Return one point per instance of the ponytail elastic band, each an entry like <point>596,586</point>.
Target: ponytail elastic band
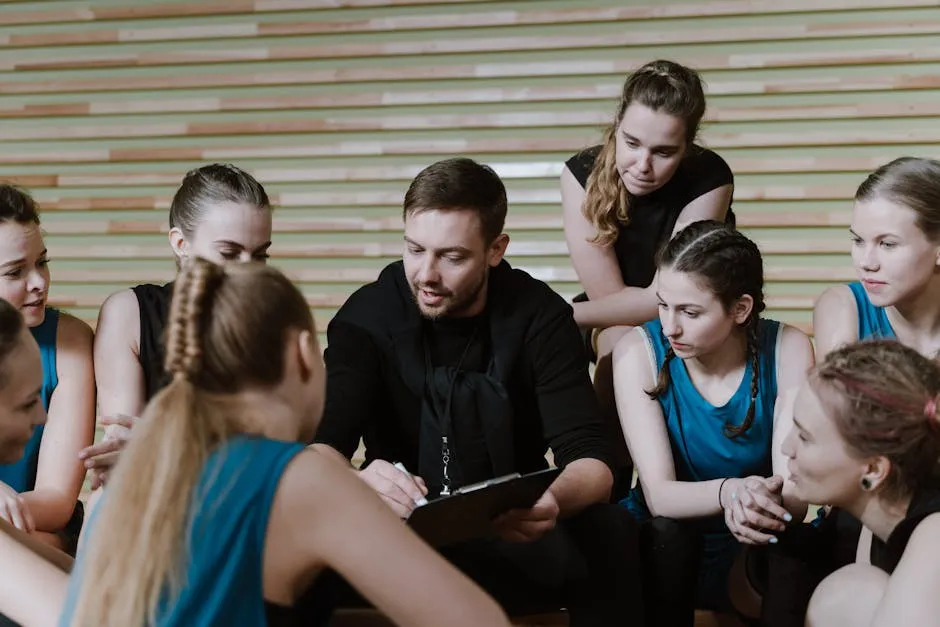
<point>930,413</point>
<point>930,409</point>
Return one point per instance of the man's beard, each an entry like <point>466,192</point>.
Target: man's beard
<point>454,303</point>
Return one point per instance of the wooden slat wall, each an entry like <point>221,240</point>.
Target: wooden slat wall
<point>336,104</point>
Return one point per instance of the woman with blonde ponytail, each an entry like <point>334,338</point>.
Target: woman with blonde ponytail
<point>623,199</point>
<point>217,514</point>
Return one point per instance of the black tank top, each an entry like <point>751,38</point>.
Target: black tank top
<point>886,555</point>
<point>153,301</point>
<point>653,216</point>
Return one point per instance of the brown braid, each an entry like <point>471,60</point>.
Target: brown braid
<point>663,380</point>
<point>190,309</point>
<point>753,350</point>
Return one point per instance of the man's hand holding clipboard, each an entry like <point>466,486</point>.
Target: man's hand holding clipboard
<point>526,525</point>
<point>518,508</point>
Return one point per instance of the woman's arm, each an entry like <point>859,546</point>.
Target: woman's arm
<point>70,427</point>
<point>644,428</point>
<point>636,305</point>
<point>32,582</point>
<point>794,360</point>
<point>595,265</point>
<point>119,376</point>
<point>835,320</point>
<point>334,520</point>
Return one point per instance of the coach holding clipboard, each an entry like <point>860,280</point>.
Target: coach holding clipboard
<point>463,369</point>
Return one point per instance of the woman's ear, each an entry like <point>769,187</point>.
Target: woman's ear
<point>876,473</point>
<point>308,353</point>
<point>178,244</point>
<point>741,310</point>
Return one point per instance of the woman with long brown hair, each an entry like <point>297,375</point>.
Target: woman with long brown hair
<point>217,514</point>
<point>623,199</point>
<point>698,391</point>
<point>866,439</point>
<point>39,491</point>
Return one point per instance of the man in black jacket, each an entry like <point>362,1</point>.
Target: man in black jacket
<point>463,369</point>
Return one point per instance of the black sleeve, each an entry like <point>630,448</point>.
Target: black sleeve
<point>353,386</point>
<point>571,420</point>
<point>582,163</point>
<point>706,171</point>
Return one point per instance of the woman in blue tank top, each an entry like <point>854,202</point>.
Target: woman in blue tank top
<point>696,393</point>
<point>217,514</point>
<point>39,492</point>
<point>31,588</point>
<point>896,254</point>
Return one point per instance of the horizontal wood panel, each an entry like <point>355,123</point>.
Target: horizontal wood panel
<point>336,104</point>
<point>548,222</point>
<point>208,32</point>
<point>459,71</point>
<point>92,13</point>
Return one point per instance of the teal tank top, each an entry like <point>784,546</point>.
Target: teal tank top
<point>229,521</point>
<point>21,475</point>
<point>872,320</point>
<point>700,449</point>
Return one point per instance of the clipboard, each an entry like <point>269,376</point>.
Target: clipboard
<point>468,513</point>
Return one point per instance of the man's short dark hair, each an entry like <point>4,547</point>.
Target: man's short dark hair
<point>460,183</point>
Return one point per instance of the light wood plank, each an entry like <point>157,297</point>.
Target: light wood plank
<point>65,280</point>
<point>193,9</point>
<point>355,199</point>
<point>335,300</point>
<point>592,121</point>
<point>393,223</point>
<point>472,45</point>
<point>648,12</point>
<point>350,250</point>
<point>617,67</point>
<point>602,93</point>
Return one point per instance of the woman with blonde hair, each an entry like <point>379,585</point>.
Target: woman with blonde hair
<point>217,514</point>
<point>220,213</point>
<point>623,199</point>
<point>895,235</point>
